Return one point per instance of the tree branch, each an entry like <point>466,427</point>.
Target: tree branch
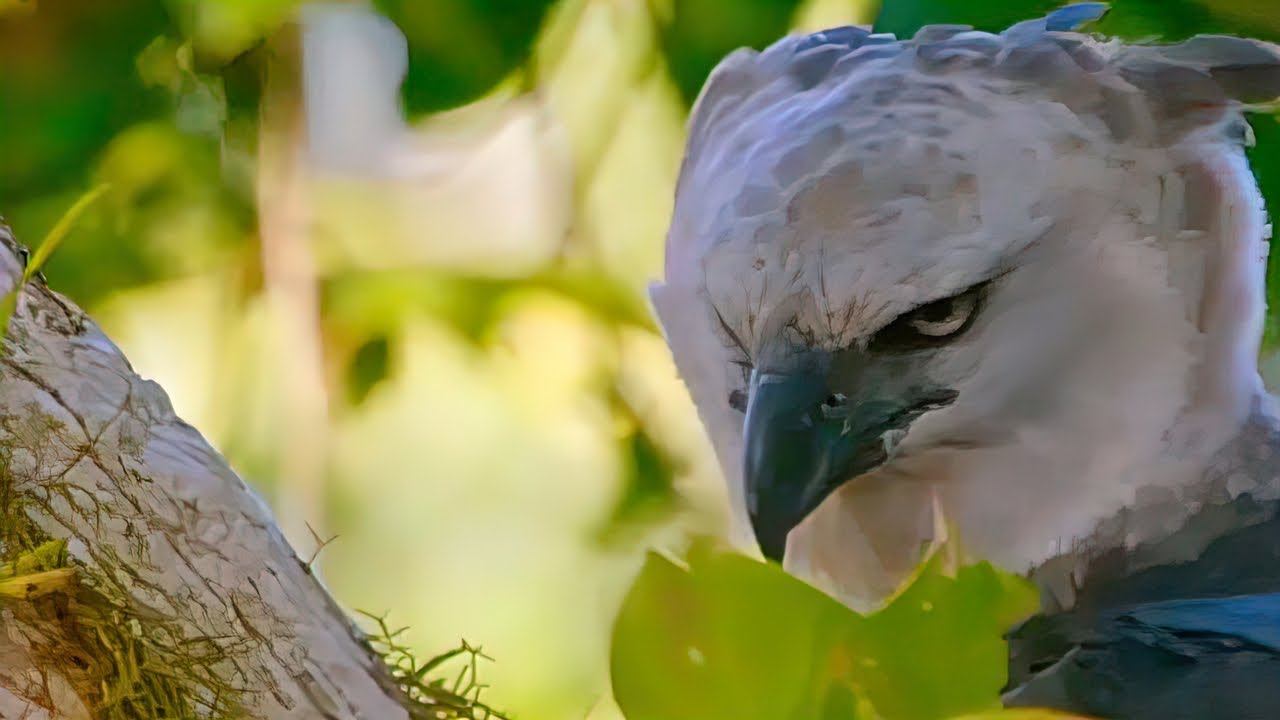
<point>173,592</point>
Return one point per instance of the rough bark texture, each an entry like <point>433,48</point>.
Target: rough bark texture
<point>175,595</point>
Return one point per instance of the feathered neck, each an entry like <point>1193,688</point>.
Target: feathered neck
<point>1224,538</point>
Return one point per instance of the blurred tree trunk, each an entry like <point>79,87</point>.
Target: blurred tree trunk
<point>139,576</point>
<point>292,291</point>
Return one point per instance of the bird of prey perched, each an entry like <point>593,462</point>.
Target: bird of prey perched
<point>1015,281</point>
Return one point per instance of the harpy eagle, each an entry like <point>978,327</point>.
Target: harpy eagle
<point>1013,280</point>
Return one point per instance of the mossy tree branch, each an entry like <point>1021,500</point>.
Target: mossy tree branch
<point>142,578</point>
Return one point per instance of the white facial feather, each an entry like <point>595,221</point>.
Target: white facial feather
<point>833,183</point>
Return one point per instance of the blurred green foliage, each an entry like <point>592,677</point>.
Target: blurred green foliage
<point>68,87</point>
<point>454,359</point>
<point>98,93</point>
<point>458,49</point>
<point>696,34</point>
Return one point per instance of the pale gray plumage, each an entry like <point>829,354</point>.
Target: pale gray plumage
<point>1093,196</point>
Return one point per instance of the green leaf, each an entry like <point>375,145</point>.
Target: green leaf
<point>732,637</point>
<point>937,649</point>
<point>60,230</point>
<point>439,660</point>
<point>729,638</point>
<point>9,301</point>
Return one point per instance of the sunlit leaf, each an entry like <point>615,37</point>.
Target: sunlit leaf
<point>937,649</point>
<point>732,637</point>
<point>8,306</point>
<point>223,29</point>
<point>728,638</point>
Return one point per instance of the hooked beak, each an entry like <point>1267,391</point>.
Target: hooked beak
<point>803,441</point>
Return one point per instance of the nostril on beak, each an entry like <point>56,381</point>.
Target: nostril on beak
<point>835,407</point>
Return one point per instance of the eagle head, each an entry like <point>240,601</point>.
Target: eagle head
<point>994,273</point>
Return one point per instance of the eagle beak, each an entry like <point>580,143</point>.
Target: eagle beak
<point>803,441</point>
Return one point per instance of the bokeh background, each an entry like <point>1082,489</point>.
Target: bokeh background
<point>391,258</point>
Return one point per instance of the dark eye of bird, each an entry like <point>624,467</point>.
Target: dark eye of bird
<point>932,324</point>
<point>738,400</point>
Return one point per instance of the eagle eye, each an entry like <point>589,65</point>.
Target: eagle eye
<point>932,323</point>
<point>945,317</point>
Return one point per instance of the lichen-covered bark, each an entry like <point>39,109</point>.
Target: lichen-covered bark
<point>139,576</point>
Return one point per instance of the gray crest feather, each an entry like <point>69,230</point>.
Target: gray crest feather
<point>1179,87</point>
<point>1247,70</point>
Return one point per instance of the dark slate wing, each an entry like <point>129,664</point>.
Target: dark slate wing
<point>1195,659</point>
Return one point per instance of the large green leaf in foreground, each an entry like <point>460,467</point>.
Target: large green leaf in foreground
<point>731,637</point>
